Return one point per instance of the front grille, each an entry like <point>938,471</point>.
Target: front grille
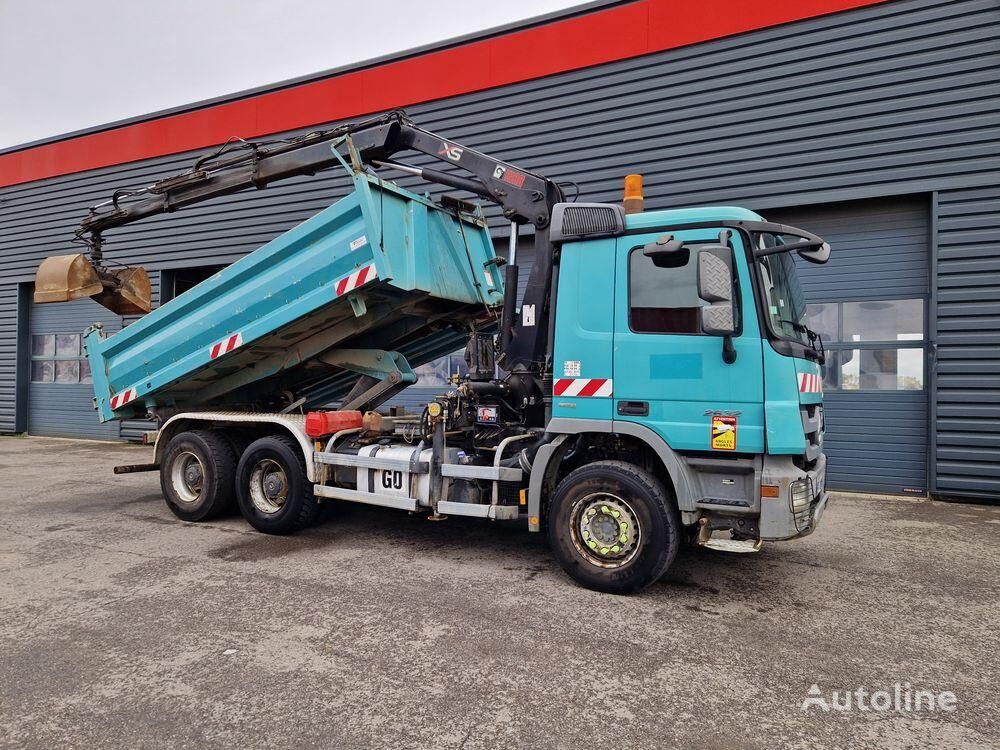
<point>812,428</point>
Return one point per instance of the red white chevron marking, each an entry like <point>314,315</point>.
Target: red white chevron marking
<point>226,345</point>
<point>809,383</point>
<point>583,387</point>
<point>353,280</point>
<point>119,400</point>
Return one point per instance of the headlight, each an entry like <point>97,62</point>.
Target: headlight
<point>801,495</point>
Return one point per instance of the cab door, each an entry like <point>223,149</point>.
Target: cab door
<point>668,375</point>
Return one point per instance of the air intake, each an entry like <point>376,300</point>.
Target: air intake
<point>578,220</point>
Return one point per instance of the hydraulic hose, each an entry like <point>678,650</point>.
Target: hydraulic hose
<point>526,456</point>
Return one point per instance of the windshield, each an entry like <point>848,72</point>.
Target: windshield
<point>786,305</point>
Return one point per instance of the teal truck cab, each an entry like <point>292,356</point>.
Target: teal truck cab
<point>684,336</point>
<point>656,384</point>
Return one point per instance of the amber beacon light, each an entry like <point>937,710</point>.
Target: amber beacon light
<point>633,202</point>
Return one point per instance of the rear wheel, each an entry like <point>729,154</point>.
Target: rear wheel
<point>613,527</point>
<point>272,489</point>
<point>197,475</point>
<point>239,440</point>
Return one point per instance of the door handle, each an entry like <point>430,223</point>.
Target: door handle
<point>633,408</point>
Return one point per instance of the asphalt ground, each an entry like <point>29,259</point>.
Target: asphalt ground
<point>121,626</point>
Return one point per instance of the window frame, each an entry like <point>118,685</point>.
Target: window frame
<point>54,358</point>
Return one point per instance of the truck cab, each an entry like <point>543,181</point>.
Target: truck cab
<point>733,410</point>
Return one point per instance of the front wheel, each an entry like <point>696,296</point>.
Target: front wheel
<point>613,527</point>
<point>272,489</point>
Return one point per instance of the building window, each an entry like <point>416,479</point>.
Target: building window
<point>176,281</point>
<point>59,358</point>
<point>664,299</point>
<point>875,345</point>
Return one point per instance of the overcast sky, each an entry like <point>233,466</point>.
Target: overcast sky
<point>71,64</point>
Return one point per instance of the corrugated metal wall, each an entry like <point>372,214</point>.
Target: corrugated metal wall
<point>9,353</point>
<point>876,440</point>
<point>893,99</point>
<point>966,444</point>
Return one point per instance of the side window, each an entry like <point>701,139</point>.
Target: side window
<point>664,300</point>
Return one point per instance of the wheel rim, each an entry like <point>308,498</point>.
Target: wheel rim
<point>605,530</point>
<point>187,476</point>
<point>268,486</point>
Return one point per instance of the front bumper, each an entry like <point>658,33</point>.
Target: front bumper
<point>801,502</point>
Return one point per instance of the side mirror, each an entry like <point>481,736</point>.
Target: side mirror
<point>715,286</point>
<point>666,252</point>
<point>814,254</point>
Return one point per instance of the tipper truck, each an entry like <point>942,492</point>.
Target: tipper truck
<point>656,385</point>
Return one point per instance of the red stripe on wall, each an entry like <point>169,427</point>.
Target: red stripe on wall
<point>617,33</point>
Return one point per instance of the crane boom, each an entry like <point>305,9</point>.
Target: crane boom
<point>524,197</point>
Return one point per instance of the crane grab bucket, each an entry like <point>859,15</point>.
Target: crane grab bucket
<point>62,278</point>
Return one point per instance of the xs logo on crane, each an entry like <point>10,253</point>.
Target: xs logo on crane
<point>451,151</point>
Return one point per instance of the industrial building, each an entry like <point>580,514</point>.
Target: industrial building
<point>875,124</point>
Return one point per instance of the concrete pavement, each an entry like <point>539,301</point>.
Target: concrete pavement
<point>121,626</point>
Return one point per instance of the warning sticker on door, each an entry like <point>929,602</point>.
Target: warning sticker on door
<point>723,433</point>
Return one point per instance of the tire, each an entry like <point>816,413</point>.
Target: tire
<point>272,489</point>
<point>197,475</point>
<point>239,439</point>
<point>613,527</point>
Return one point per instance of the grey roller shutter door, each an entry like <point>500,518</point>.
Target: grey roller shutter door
<point>876,439</point>
<point>63,409</point>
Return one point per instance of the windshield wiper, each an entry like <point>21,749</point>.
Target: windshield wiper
<point>814,338</point>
